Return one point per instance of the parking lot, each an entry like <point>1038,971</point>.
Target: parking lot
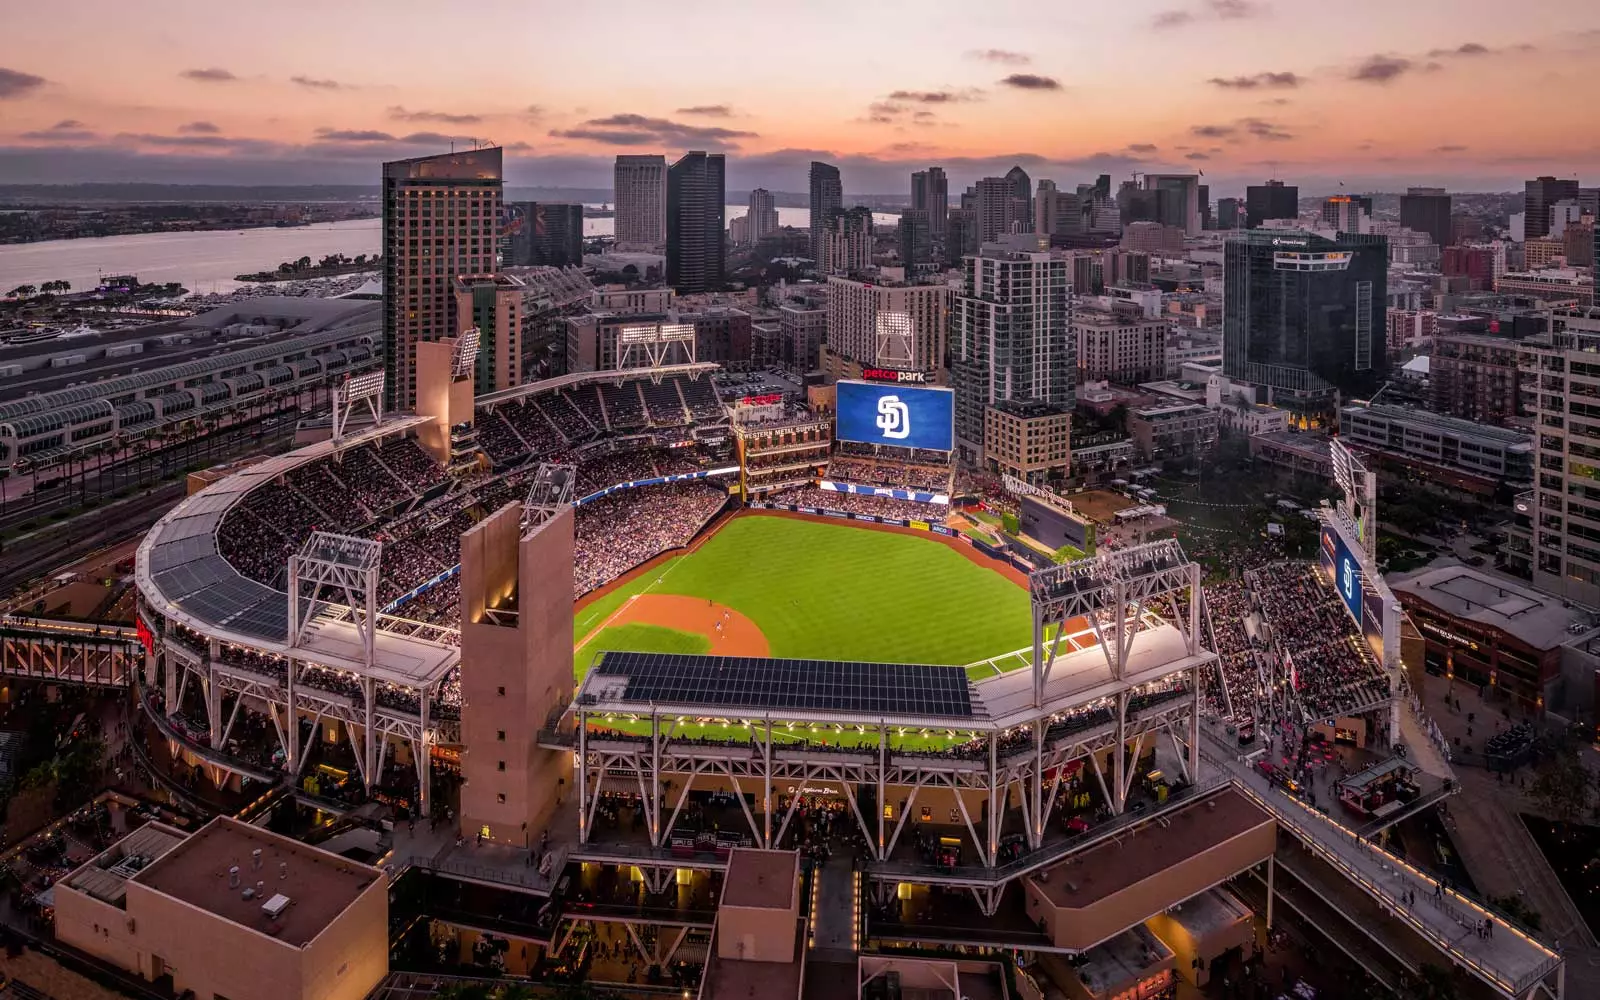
<point>763,382</point>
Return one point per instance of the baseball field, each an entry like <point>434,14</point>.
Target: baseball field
<point>770,585</point>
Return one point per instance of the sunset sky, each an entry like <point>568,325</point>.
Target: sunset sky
<point>1472,94</point>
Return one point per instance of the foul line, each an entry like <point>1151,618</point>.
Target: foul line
<point>589,636</point>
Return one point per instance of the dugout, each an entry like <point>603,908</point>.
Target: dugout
<point>1052,525</point>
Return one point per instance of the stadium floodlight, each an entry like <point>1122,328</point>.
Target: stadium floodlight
<point>366,388</point>
<point>894,333</point>
<point>654,345</point>
<point>465,354</point>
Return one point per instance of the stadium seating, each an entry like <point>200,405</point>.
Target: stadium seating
<point>700,395</point>
<point>665,406</point>
<point>623,405</point>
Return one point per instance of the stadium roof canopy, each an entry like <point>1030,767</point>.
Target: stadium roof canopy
<point>181,569</point>
<point>828,689</point>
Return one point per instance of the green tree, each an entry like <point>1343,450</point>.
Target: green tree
<point>1433,982</point>
<point>1518,910</point>
<point>1563,787</point>
<point>1010,524</point>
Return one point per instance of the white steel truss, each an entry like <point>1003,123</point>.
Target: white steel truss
<point>105,661</point>
<point>349,567</point>
<point>365,389</point>
<point>654,346</point>
<point>551,490</point>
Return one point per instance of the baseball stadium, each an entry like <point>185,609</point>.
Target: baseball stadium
<point>630,648</point>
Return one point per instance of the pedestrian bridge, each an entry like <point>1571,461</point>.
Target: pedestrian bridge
<point>69,652</point>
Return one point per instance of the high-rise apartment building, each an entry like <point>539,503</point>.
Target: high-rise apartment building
<point>763,215</point>
<point>1056,213</point>
<point>1305,317</point>
<point>441,218</point>
<point>1427,210</point>
<point>961,235</point>
<point>1561,381</point>
<point>996,207</point>
<point>540,233</point>
<point>1474,377</point>
<point>1229,215</point>
<point>1010,338</point>
<point>695,226</point>
<point>1176,200</point>
<point>930,192</point>
<point>1272,200</point>
<point>639,187</point>
<point>859,312</point>
<point>827,201</point>
<point>1205,206</point>
<point>492,304</point>
<point>847,242</point>
<point>1345,213</point>
<point>1539,197</point>
<point>916,240</point>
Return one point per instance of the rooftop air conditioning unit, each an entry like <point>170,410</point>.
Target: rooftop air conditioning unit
<point>275,906</point>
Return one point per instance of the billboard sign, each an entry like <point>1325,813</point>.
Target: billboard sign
<point>896,415</point>
<point>1346,571</point>
<point>898,375</point>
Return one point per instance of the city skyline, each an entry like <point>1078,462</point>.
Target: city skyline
<point>1241,89</point>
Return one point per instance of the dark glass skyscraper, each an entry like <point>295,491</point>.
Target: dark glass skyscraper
<point>1427,210</point>
<point>1304,316</point>
<point>827,201</point>
<point>1272,200</point>
<point>695,222</point>
<point>539,232</point>
<point>1539,196</point>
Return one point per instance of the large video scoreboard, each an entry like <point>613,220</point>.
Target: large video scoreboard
<point>901,416</point>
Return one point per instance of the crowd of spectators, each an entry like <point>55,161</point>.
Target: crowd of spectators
<point>1311,655</point>
<point>990,489</point>
<point>620,531</point>
<point>899,475</point>
<point>857,503</point>
<point>624,407</point>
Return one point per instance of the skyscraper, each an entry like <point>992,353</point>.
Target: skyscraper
<point>1177,200</point>
<point>930,192</point>
<point>1009,338</point>
<point>916,240</point>
<point>827,200</point>
<point>1540,195</point>
<point>1056,212</point>
<point>639,185</point>
<point>1305,317</point>
<point>695,222</point>
<point>997,205</point>
<point>1427,210</point>
<point>542,233</point>
<point>492,303</point>
<point>1272,200</point>
<point>1344,214</point>
<point>1022,198</point>
<point>1228,213</point>
<point>960,235</point>
<point>847,242</point>
<point>763,215</point>
<point>441,216</point>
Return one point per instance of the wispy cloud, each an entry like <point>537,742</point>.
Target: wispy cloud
<point>1210,10</point>
<point>315,83</point>
<point>65,130</point>
<point>354,135</point>
<point>1031,81</point>
<point>1004,57</point>
<point>1270,80</point>
<point>1382,69</point>
<point>199,128</point>
<point>708,111</point>
<point>1449,149</point>
<point>400,114</point>
<point>643,130</point>
<point>937,96</point>
<point>15,83</point>
<point>214,74</point>
<point>1142,147</point>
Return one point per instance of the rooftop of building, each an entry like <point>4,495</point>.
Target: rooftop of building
<point>1313,443</point>
<point>738,979</point>
<point>1168,411</point>
<point>500,281</point>
<point>761,880</point>
<point>1536,618</point>
<point>1119,863</point>
<point>1466,429</point>
<point>105,877</point>
<point>319,886</point>
<point>1110,968</point>
<point>1208,913</point>
<point>1192,392</point>
<point>1553,275</point>
<point>1029,408</point>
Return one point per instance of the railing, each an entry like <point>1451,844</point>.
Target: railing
<point>529,878</point>
<point>1046,854</point>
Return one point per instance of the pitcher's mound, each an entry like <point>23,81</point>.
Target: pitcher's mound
<point>738,635</point>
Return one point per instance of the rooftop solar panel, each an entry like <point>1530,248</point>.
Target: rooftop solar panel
<point>908,689</point>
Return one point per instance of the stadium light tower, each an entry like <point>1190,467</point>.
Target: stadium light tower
<point>894,333</point>
<point>551,490</point>
<point>465,354</point>
<point>366,388</point>
<point>655,345</point>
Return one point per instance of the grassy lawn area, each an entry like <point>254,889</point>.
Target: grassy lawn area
<point>638,638</point>
<point>838,592</point>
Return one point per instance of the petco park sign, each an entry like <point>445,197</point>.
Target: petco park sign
<point>894,375</point>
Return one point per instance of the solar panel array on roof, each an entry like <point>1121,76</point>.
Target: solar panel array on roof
<point>907,689</point>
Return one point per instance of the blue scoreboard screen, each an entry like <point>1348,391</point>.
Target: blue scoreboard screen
<point>899,415</point>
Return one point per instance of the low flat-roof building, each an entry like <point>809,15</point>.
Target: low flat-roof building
<point>1301,452</point>
<point>1456,453</point>
<point>1174,431</point>
<point>1493,632</point>
<point>1029,440</point>
<point>230,911</point>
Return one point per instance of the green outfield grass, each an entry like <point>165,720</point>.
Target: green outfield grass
<point>639,638</point>
<point>835,591</point>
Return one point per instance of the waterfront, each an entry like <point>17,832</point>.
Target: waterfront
<point>201,262</point>
<point>207,262</point>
